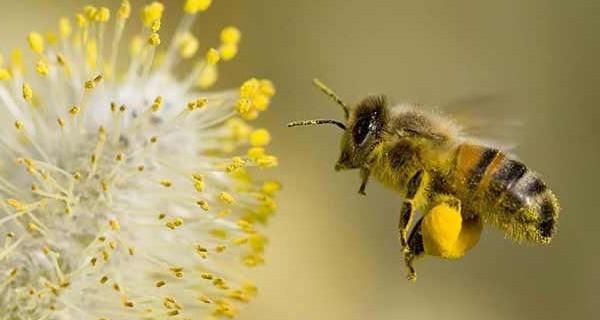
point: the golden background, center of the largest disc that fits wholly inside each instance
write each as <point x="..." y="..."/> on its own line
<point x="334" y="254"/>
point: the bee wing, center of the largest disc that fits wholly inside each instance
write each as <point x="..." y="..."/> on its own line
<point x="487" y="119"/>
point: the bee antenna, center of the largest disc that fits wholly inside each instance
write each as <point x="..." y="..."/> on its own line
<point x="316" y="122"/>
<point x="326" y="90"/>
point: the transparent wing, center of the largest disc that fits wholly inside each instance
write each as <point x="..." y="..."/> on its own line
<point x="489" y="118"/>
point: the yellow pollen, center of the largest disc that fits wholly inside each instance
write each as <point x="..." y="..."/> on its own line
<point x="114" y="224"/>
<point x="231" y="35"/>
<point x="90" y="12"/>
<point x="124" y="10"/>
<point x="156" y="104"/>
<point x="153" y="139"/>
<point x="4" y="74"/>
<point x="174" y="223"/>
<point x="19" y="124"/>
<point x="155" y="26"/>
<point x="104" y="279"/>
<point x="81" y="21"/>
<point x="36" y="42"/>
<point x="194" y="6"/>
<point x="208" y="77"/>
<point x="52" y="38"/>
<point x="228" y="51"/>
<point x="270" y="187"/>
<point x="166" y="183"/>
<point x="103" y="14"/>
<point x="261" y="102"/>
<point x="42" y="68"/>
<point x="27" y="92"/>
<point x="152" y="12"/>
<point x="154" y="39"/>
<point x="74" y="110"/>
<point x="267" y="161"/>
<point x="128" y="304"/>
<point x="160" y="283"/>
<point x="226" y="198"/>
<point x="256" y="153"/>
<point x="202" y="204"/>
<point x="199" y="186"/>
<point x="220" y="248"/>
<point x="249" y="88"/>
<point x="64" y="26"/>
<point x="260" y="138"/>
<point x="243" y="106"/>
<point x="188" y="45"/>
<point x="212" y="56"/>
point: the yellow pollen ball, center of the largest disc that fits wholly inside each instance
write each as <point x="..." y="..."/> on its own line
<point x="228" y="51"/>
<point x="64" y="25"/>
<point x="194" y="6"/>
<point x="4" y="74"/>
<point x="90" y="12"/>
<point x="267" y="88"/>
<point x="152" y="12"/>
<point x="81" y="21"/>
<point x="261" y="102"/>
<point x="226" y="198"/>
<point x="212" y="56"/>
<point x="51" y="37"/>
<point x="42" y="68"/>
<point x="19" y="124"/>
<point x="249" y="88"/>
<point x="124" y="10"/>
<point x="154" y="39"/>
<point x="103" y="14"/>
<point x="208" y="77"/>
<point x="27" y="92"/>
<point x="231" y="35"/>
<point x="155" y="25"/>
<point x="256" y="153"/>
<point x="243" y="106"/>
<point x="260" y="138"/>
<point x="188" y="45"/>
<point x="36" y="42"/>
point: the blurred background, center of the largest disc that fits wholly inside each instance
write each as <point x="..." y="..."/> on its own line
<point x="334" y="254"/>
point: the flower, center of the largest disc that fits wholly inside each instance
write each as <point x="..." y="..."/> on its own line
<point x="125" y="190"/>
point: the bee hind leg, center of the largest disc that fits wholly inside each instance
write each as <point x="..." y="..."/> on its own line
<point x="415" y="250"/>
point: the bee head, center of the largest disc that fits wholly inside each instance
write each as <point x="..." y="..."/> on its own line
<point x="364" y="126"/>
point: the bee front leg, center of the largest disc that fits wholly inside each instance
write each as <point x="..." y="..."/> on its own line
<point x="365" y="172"/>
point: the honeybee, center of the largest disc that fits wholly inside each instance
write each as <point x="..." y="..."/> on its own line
<point x="457" y="182"/>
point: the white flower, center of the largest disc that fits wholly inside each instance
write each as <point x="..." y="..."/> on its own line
<point x="124" y="196"/>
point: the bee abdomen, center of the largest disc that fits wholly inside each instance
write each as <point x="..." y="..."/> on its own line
<point x="506" y="193"/>
<point x="523" y="197"/>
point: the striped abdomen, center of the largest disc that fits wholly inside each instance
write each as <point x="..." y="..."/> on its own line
<point x="505" y="193"/>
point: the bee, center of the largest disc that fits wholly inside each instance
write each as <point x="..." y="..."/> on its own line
<point x="457" y="182"/>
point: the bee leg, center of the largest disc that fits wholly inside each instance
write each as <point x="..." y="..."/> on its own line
<point x="365" y="172"/>
<point x="407" y="209"/>
<point x="416" y="250"/>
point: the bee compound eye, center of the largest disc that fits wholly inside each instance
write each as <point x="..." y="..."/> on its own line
<point x="361" y="130"/>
